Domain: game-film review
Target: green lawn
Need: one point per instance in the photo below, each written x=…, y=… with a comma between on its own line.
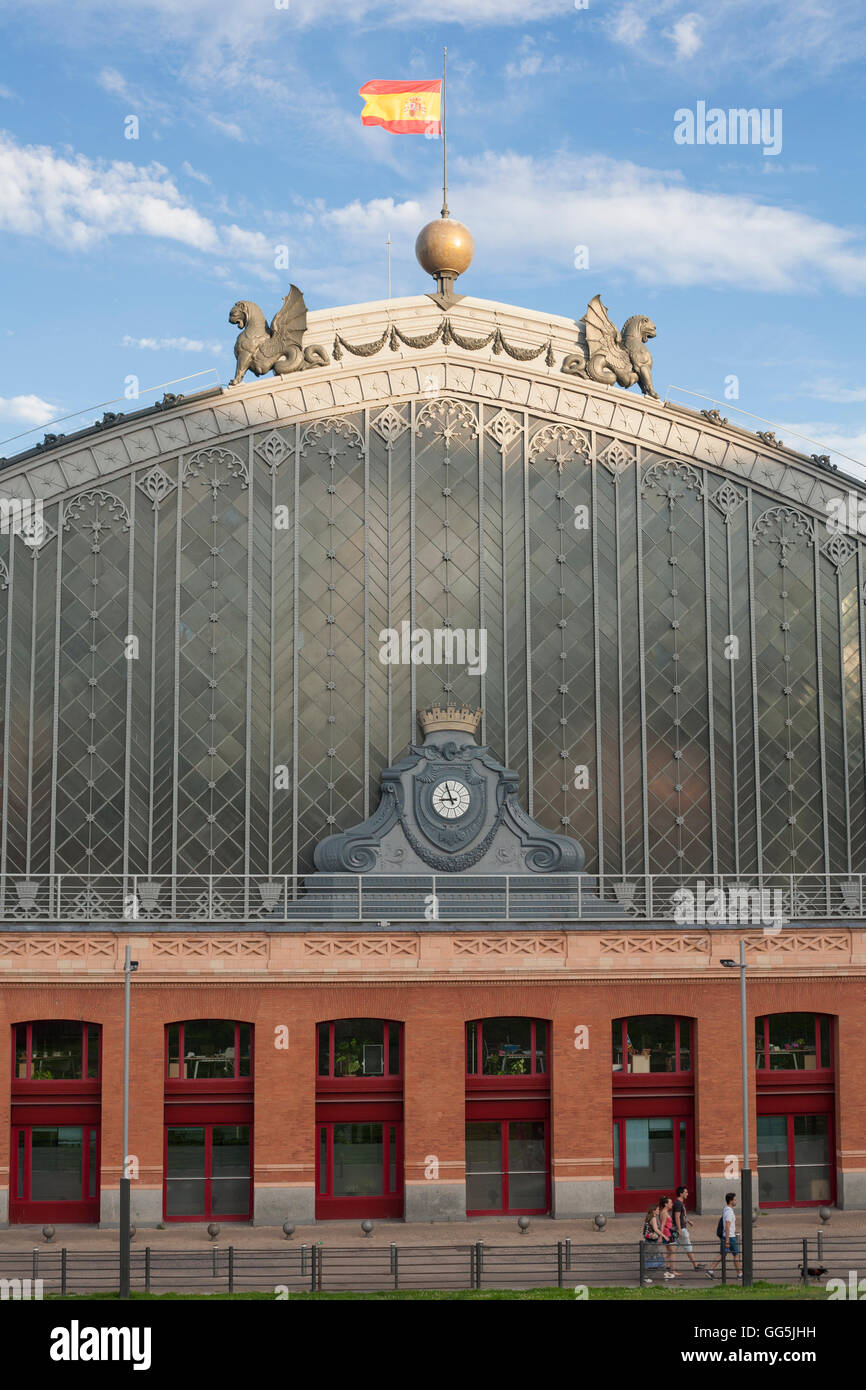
x=771, y=1293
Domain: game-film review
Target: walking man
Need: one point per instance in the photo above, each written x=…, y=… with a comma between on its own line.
x=727, y=1234
x=681, y=1227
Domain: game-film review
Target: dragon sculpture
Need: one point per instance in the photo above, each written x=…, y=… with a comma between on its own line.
x=278, y=348
x=608, y=356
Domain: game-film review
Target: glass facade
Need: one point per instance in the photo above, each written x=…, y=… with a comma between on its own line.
x=652, y=1043
x=506, y=1047
x=259, y=645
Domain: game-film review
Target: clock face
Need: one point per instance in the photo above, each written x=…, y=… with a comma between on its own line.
x=451, y=799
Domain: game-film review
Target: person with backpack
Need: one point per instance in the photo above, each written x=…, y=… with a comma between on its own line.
x=681, y=1225
x=726, y=1231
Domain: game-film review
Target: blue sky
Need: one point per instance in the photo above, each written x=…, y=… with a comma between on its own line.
x=124, y=256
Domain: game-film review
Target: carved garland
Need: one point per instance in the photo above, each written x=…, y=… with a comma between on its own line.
x=394, y=336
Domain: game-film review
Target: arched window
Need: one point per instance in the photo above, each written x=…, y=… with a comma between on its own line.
x=57, y=1050
x=359, y=1048
x=793, y=1042
x=506, y=1047
x=652, y=1043
x=208, y=1049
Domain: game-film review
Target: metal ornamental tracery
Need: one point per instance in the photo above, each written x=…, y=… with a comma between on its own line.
x=192, y=668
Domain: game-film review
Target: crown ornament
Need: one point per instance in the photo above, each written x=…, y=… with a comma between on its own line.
x=456, y=718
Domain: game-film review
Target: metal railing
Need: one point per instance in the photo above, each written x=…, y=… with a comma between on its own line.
x=294, y=1268
x=770, y=901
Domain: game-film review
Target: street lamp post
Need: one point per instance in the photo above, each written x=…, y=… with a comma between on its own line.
x=747, y=1222
x=125, y=1238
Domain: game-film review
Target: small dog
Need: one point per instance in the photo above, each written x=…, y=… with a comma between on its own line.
x=813, y=1271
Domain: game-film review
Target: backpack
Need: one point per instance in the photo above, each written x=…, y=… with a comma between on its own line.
x=720, y=1229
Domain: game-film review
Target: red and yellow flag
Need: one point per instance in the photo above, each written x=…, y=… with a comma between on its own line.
x=405, y=108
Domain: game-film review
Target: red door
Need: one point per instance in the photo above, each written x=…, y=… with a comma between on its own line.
x=54, y=1173
x=652, y=1156
x=359, y=1168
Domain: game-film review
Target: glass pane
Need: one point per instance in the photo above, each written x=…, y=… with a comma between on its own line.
x=506, y=1046
x=792, y=1042
x=760, y=1062
x=484, y=1165
x=685, y=1044
x=92, y=1161
x=55, y=1157
x=773, y=1158
x=92, y=1051
x=394, y=1049
x=683, y=1173
x=392, y=1150
x=57, y=1051
x=472, y=1048
x=323, y=1160
x=244, y=1038
x=21, y=1138
x=230, y=1170
x=812, y=1158
x=358, y=1156
x=616, y=1043
x=208, y=1050
x=649, y=1154
x=359, y=1047
x=540, y=1045
x=174, y=1051
x=21, y=1051
x=184, y=1183
x=616, y=1154
x=824, y=1032
x=527, y=1165
x=324, y=1030
x=650, y=1044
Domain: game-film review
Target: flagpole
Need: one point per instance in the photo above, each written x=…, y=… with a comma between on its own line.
x=445, y=212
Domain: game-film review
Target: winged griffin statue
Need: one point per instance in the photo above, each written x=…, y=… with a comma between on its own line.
x=604, y=354
x=278, y=348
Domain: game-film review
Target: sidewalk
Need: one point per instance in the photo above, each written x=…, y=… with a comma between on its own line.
x=543, y=1230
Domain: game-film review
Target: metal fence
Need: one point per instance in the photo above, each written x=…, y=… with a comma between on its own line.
x=372, y=1268
x=769, y=901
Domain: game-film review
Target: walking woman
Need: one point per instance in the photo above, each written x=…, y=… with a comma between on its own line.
x=665, y=1222
x=652, y=1234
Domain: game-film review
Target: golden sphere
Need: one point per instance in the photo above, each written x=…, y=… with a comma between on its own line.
x=445, y=248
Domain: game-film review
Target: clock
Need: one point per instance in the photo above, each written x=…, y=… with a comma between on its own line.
x=451, y=799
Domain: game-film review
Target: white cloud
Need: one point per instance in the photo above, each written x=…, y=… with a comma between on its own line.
x=175, y=344
x=685, y=36
x=80, y=203
x=27, y=410
x=627, y=26
x=7, y=94
x=666, y=232
x=191, y=173
x=532, y=61
x=828, y=389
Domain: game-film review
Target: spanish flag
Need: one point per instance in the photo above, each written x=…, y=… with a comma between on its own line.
x=405, y=108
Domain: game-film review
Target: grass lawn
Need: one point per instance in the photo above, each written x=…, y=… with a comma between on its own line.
x=770, y=1293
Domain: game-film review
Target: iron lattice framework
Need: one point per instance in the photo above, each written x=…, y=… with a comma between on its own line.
x=191, y=667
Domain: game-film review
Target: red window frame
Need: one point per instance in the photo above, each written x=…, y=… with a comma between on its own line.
x=817, y=1105
x=208, y=1127
x=233, y=1083
x=656, y=1077
x=25, y=1209
x=84, y=1081
x=390, y=1201
x=794, y=1076
x=504, y=1079
x=534, y=1113
x=327, y=1082
x=638, y=1199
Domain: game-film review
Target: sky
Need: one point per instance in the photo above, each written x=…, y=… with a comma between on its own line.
x=570, y=159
